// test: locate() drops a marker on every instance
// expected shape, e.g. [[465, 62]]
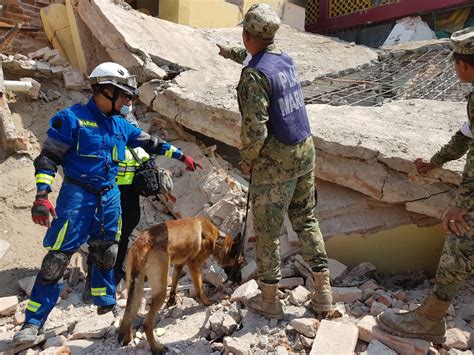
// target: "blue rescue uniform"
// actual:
[[89, 145]]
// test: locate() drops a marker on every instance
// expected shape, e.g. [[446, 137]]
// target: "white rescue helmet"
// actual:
[[116, 75]]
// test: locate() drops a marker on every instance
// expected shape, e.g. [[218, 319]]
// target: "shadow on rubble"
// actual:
[[9, 280]]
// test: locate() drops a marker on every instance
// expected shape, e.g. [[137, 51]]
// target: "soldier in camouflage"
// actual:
[[278, 151], [457, 258]]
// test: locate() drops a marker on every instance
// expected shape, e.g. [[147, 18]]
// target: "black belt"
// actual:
[[89, 187], [95, 191]]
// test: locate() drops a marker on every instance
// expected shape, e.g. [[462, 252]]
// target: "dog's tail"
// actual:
[[136, 261]]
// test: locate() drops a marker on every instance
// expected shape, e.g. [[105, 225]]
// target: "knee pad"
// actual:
[[104, 254], [53, 267]]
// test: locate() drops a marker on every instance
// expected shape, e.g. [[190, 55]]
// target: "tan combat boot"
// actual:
[[426, 322], [267, 302], [322, 296]]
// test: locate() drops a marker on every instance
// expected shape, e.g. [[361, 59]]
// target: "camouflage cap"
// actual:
[[463, 41], [261, 21]]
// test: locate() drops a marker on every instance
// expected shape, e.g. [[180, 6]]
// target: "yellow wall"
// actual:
[[401, 249], [208, 13]]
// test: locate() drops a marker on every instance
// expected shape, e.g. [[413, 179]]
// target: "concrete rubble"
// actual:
[[366, 183]]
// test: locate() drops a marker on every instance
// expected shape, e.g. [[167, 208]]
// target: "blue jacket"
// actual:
[[89, 145]]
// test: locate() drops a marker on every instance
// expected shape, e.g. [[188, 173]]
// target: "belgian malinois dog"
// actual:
[[188, 241]]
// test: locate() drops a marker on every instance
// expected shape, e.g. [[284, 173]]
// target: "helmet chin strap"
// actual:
[[112, 99]]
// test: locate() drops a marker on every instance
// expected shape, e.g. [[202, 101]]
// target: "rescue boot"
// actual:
[[322, 295], [106, 309], [267, 302], [86, 294], [26, 335], [426, 322]]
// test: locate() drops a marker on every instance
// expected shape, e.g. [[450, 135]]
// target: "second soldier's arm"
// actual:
[[253, 102], [454, 149]]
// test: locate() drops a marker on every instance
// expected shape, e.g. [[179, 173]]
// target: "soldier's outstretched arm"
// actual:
[[254, 102], [237, 54], [454, 149]]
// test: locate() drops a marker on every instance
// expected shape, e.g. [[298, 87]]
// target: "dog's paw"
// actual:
[[171, 302], [124, 337]]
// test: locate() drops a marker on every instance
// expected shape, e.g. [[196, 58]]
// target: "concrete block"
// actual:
[[4, 246], [346, 294], [27, 283], [8, 305], [214, 275], [299, 296], [291, 282], [369, 330], [335, 338], [94, 327], [249, 271], [336, 269], [378, 348], [245, 291], [306, 326], [376, 308], [457, 339]]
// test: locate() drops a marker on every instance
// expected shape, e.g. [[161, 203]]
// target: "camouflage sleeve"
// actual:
[[455, 149], [465, 193], [253, 102], [237, 54]]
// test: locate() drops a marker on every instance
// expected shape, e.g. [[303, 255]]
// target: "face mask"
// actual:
[[126, 110]]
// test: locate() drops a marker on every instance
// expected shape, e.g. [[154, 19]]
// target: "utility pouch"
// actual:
[[149, 179]]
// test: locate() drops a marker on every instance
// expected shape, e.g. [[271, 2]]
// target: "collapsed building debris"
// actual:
[[366, 182]]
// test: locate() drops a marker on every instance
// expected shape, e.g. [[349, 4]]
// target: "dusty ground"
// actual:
[[17, 186]]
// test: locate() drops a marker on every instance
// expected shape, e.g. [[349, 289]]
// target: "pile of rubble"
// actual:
[[227, 327], [366, 183]]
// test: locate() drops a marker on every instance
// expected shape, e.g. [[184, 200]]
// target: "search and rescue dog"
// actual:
[[188, 241]]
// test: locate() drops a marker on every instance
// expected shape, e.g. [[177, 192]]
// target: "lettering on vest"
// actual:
[[288, 118], [86, 123]]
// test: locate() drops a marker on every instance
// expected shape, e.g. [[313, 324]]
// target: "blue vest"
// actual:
[[288, 118]]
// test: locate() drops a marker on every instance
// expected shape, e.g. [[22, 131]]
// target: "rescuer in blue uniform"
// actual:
[[88, 141]]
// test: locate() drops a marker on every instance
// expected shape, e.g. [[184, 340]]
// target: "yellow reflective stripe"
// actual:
[[169, 153], [119, 229], [114, 153], [44, 179], [99, 291], [33, 306], [60, 238]]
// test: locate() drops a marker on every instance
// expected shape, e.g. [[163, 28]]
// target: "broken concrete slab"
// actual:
[[306, 326], [249, 271], [369, 330], [379, 163], [8, 305], [378, 348], [335, 338], [197, 90], [299, 296], [244, 291], [457, 338], [27, 283], [4, 246], [93, 328], [346, 294], [336, 268]]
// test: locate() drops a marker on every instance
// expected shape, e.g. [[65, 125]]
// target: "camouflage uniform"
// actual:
[[282, 176], [457, 258]]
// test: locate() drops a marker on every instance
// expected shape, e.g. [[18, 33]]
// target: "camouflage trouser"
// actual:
[[270, 204], [456, 263]]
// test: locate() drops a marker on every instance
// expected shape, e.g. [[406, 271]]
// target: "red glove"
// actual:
[[190, 163], [41, 209]]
